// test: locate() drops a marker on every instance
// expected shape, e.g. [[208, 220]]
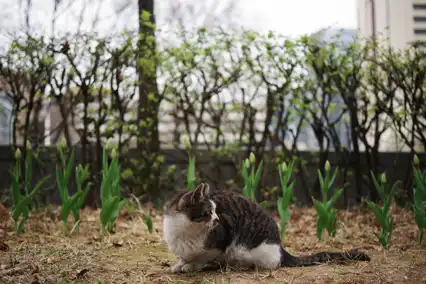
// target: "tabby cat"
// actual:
[[212, 229]]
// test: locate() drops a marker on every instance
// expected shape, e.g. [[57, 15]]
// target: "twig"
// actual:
[[12, 271]]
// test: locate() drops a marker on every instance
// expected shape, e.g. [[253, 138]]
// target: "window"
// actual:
[[420, 31], [419, 19], [5, 119], [419, 6]]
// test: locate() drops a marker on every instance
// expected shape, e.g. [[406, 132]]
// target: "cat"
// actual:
[[215, 229]]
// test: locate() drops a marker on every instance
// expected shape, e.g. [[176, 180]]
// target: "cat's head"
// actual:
[[195, 206]]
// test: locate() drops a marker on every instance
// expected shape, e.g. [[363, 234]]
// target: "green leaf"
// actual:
[[321, 180], [69, 168], [148, 223], [419, 180], [60, 182], [334, 198], [288, 195], [16, 191], [38, 186], [282, 181], [28, 171], [258, 175], [83, 196], [331, 182], [264, 203], [321, 226], [320, 208], [107, 210], [377, 211], [21, 208], [378, 187], [69, 205]]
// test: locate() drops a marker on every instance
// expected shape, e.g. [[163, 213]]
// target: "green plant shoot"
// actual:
[[110, 192], [382, 213], [148, 223], [21, 202], [326, 213], [70, 203], [251, 181], [419, 197], [191, 173], [81, 175], [285, 171]]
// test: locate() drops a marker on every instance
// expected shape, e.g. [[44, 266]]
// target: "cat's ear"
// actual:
[[200, 192], [203, 191]]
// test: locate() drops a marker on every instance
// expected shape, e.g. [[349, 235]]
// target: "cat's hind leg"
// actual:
[[264, 256]]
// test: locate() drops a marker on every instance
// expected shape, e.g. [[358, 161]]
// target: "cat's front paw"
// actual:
[[177, 268], [192, 267], [186, 268]]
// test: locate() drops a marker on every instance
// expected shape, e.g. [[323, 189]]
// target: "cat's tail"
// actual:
[[320, 257]]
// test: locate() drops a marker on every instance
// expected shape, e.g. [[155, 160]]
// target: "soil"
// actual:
[[44, 254]]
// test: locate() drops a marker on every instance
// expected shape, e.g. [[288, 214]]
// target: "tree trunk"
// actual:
[[148, 141]]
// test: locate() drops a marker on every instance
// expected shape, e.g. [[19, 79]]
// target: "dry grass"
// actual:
[[44, 255]]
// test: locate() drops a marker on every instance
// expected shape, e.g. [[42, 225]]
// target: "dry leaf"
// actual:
[[3, 246], [81, 273], [91, 218], [118, 242], [96, 237], [35, 279]]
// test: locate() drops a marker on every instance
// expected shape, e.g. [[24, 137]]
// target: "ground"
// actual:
[[44, 255]]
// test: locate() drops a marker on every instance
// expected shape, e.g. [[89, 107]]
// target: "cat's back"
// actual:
[[243, 221]]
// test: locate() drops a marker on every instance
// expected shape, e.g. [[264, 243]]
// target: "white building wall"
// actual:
[[396, 20]]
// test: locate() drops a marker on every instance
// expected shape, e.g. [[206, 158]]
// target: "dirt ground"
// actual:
[[44, 255]]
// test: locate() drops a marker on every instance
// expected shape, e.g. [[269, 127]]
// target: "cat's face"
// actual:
[[195, 207]]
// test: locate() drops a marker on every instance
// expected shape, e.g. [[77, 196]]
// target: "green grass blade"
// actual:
[[258, 175], [28, 171], [148, 223]]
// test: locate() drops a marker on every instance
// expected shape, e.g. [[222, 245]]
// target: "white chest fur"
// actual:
[[183, 237]]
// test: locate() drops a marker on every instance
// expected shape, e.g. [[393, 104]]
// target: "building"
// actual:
[[46, 115], [397, 21], [5, 118], [306, 140]]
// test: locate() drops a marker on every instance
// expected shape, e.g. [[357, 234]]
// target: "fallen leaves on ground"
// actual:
[[44, 255]]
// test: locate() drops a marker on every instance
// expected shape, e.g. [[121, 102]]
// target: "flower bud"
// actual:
[[383, 178], [284, 166], [416, 161], [247, 163], [29, 147], [63, 143], [327, 166], [108, 145], [18, 154], [187, 143], [252, 158], [114, 153]]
